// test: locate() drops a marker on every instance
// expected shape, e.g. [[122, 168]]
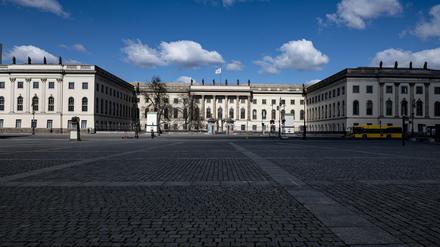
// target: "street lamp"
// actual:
[[33, 117], [304, 115], [413, 105]]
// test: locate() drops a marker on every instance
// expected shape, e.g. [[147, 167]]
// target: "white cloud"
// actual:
[[184, 53], [35, 53], [355, 13], [72, 61], [234, 65], [431, 28], [311, 82], [77, 47], [404, 57], [227, 3], [295, 55], [51, 6], [185, 79]]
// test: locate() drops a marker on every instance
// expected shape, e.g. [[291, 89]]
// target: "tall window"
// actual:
[[208, 112], [369, 108], [2, 103], [220, 113], [419, 108], [175, 113], [273, 115], [339, 109], [293, 114], [71, 85], [242, 113], [355, 88], [85, 85], [254, 114], [35, 103], [35, 84], [20, 103], [263, 114], [231, 113], [185, 113], [389, 108], [356, 107], [437, 109], [51, 104], [404, 108], [301, 115], [85, 104], [283, 114], [71, 104]]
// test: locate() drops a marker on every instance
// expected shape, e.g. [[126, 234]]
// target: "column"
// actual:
[[27, 98], [43, 95], [411, 99], [396, 99], [249, 108], [237, 108], [59, 101], [381, 86], [203, 113], [12, 96], [426, 99], [214, 110], [226, 110]]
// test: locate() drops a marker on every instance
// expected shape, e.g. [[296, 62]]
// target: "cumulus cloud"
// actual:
[[234, 65], [404, 57], [184, 53], [51, 6], [77, 47], [431, 28], [35, 53], [295, 55], [185, 79], [356, 13]]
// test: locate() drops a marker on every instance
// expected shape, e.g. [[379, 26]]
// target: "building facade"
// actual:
[[50, 95], [375, 96], [227, 108]]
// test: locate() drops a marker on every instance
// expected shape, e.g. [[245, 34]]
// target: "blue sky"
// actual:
[[271, 41]]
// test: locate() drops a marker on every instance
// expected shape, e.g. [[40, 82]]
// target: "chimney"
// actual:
[[249, 82], [410, 65], [226, 82], [1, 53], [213, 82], [29, 60], [238, 82], [380, 65], [425, 65], [203, 82], [396, 65], [192, 82]]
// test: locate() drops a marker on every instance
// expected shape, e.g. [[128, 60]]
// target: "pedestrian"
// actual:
[[152, 134]]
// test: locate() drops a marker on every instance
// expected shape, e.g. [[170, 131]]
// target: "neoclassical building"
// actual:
[[227, 108], [375, 96], [51, 94]]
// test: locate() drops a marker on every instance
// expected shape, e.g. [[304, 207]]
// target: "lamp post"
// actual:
[[304, 115], [413, 105], [33, 118], [279, 119]]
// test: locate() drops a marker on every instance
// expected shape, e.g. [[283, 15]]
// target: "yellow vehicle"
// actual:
[[377, 132]]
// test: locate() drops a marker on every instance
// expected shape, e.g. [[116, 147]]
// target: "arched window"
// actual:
[[231, 113], [343, 108], [254, 114], [283, 114], [369, 108], [301, 115], [242, 113], [326, 111], [35, 103], [389, 108], [97, 105], [274, 115], [2, 103], [185, 113], [263, 114], [404, 108], [339, 108], [220, 113], [19, 103], [51, 105], [71, 104], [196, 113], [175, 113], [437, 109], [165, 112], [419, 108], [85, 104], [292, 112], [356, 107], [208, 112]]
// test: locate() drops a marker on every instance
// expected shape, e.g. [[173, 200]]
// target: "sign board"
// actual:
[[152, 122], [289, 127], [73, 135]]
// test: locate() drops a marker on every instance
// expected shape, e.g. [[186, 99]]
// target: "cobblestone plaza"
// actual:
[[217, 191]]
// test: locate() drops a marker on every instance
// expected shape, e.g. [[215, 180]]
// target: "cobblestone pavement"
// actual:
[[214, 191]]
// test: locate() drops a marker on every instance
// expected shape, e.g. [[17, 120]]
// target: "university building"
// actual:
[[49, 95]]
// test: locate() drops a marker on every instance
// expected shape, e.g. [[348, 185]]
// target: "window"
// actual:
[[85, 85], [19, 84], [18, 123], [2, 84], [283, 102], [20, 103], [51, 104], [254, 127], [71, 104], [165, 112], [339, 91], [35, 103], [274, 102], [301, 115], [175, 113], [71, 85], [2, 103], [436, 90], [102, 88], [83, 124], [437, 109], [176, 101], [242, 100], [49, 124], [273, 115], [292, 101], [301, 102], [419, 108], [263, 114], [1, 123], [254, 101], [369, 108], [35, 85], [283, 114], [208, 112], [292, 112], [263, 101], [243, 127], [404, 108], [85, 104], [389, 89], [404, 90], [356, 107], [369, 89], [254, 114], [185, 113], [389, 108], [220, 113], [242, 113], [231, 113], [355, 88], [208, 100], [97, 87], [419, 90], [51, 85]]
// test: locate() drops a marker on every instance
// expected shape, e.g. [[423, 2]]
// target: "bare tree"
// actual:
[[156, 98], [189, 112]]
